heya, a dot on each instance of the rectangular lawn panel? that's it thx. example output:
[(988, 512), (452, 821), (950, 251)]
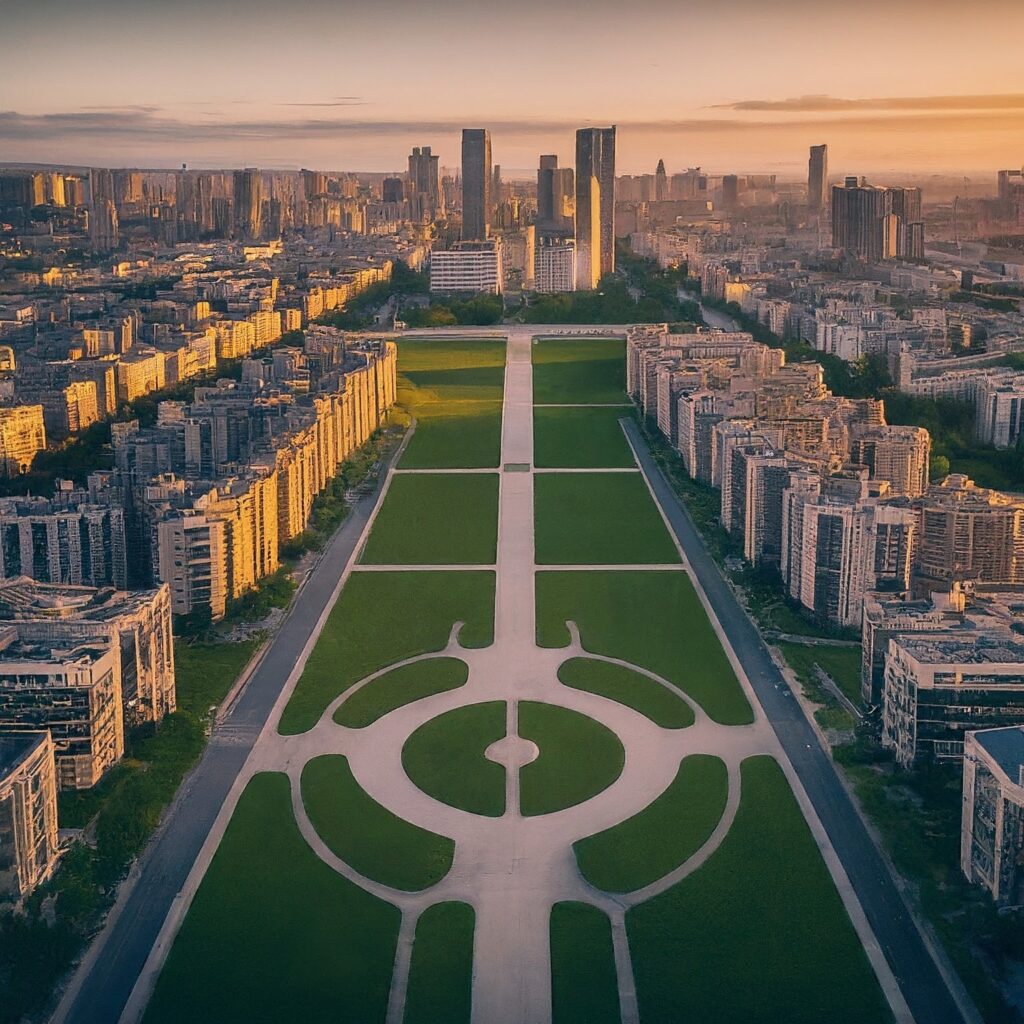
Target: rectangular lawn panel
[(584, 985), (457, 435), (580, 438), (447, 370), (571, 371), (596, 519), (436, 519), (658, 839), (441, 971), (758, 933), (368, 837), (651, 619), (274, 934), (384, 617)]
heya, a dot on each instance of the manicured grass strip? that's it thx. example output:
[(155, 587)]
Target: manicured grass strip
[(399, 687), (441, 972), (758, 933), (447, 519), (651, 619), (384, 617), (580, 438), (367, 836), (445, 758), (578, 758), (641, 693), (459, 435), (450, 370), (598, 518), (586, 370), (584, 986), (646, 847), (274, 934), (843, 664)]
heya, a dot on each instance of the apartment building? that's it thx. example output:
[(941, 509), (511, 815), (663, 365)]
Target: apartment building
[(22, 436)]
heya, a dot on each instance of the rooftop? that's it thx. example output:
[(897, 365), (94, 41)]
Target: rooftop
[(15, 747)]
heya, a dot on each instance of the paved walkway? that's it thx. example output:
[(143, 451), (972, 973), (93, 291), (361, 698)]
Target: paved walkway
[(511, 869)]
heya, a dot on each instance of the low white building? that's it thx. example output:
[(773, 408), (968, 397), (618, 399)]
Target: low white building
[(555, 269), (467, 267)]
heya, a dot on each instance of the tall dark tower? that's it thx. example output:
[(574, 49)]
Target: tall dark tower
[(476, 184), (595, 205), (660, 182), (817, 177), (248, 199)]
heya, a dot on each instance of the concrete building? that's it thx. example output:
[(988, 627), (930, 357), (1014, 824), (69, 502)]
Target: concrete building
[(28, 813), (467, 267), (595, 205), (896, 454), (477, 177), (999, 409), (992, 818), (875, 222), (817, 178), (555, 266), (74, 691), (22, 435)]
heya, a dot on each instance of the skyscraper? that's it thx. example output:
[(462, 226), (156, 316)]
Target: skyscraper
[(817, 177), (248, 203), (425, 191), (874, 223), (476, 184), (660, 182), (595, 205), (554, 196)]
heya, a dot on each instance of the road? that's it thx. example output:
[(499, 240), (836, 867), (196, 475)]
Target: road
[(100, 990), (920, 980)]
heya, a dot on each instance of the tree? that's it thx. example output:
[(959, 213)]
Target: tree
[(939, 467)]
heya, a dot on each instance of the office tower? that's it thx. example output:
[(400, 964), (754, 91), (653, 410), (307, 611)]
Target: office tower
[(660, 182), (554, 196), (730, 191), (314, 183), (873, 222), (496, 185), (595, 205), (424, 185), (101, 185), (476, 184), (248, 209), (104, 233), (127, 187), (817, 177), (392, 190)]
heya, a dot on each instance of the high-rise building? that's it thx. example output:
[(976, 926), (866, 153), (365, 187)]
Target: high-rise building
[(555, 264), (730, 191), (874, 222), (817, 177), (660, 182), (104, 230), (477, 200), (424, 184), (248, 198), (595, 205), (392, 190), (554, 196)]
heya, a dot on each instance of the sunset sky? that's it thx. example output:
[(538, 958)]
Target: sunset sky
[(739, 86)]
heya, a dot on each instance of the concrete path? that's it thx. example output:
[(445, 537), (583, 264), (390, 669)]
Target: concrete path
[(512, 869)]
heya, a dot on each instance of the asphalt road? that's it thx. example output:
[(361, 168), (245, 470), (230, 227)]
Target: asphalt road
[(121, 951), (923, 986)]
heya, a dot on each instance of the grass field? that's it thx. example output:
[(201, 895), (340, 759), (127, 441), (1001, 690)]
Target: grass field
[(579, 371), (598, 519), (651, 619), (441, 971), (360, 637), (759, 932), (636, 691), (659, 838), (367, 836), (843, 664), (445, 758), (455, 390), (450, 518), (204, 673), (580, 439), (584, 987), (399, 687), (578, 758), (274, 934)]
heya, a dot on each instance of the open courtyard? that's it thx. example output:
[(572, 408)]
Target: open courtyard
[(519, 776)]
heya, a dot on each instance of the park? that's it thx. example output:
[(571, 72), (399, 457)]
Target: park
[(518, 776)]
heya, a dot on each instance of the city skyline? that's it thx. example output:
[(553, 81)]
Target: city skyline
[(194, 104)]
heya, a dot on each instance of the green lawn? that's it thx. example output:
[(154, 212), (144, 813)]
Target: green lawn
[(598, 519), (843, 664), (580, 438), (584, 986), (455, 391), (460, 435), (636, 691), (445, 758), (203, 673), (367, 836), (648, 618), (360, 636), (441, 971), (274, 934), (654, 842), (443, 519), (579, 371), (758, 934), (578, 758), (401, 686)]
